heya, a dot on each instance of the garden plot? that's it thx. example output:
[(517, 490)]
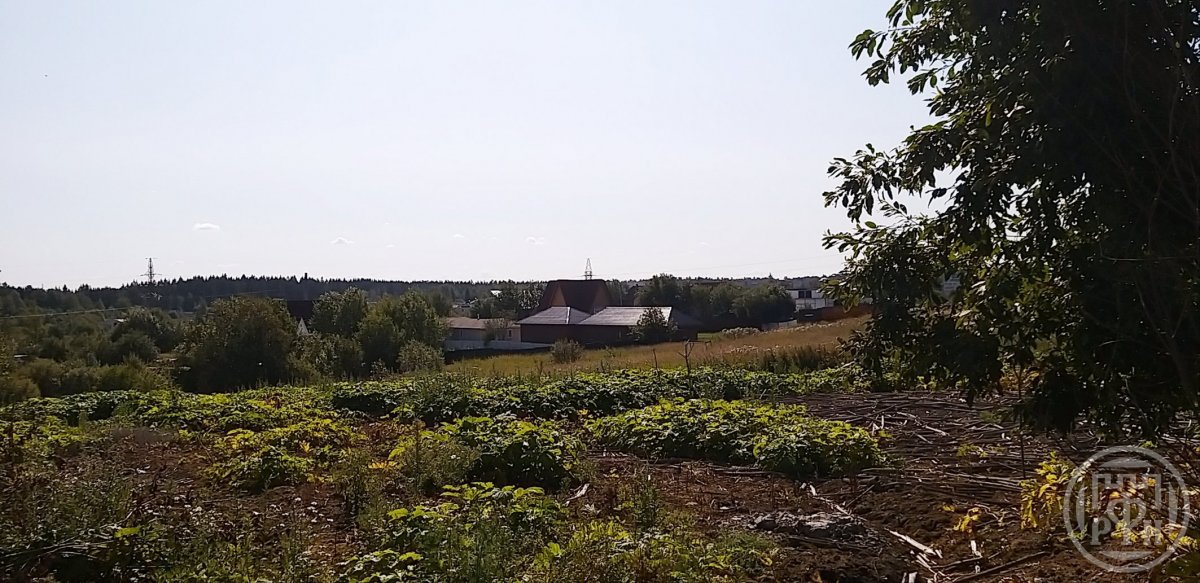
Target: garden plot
[(630, 476)]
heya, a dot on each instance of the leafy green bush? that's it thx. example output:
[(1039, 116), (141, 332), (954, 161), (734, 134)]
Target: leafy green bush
[(129, 376), (604, 551), (565, 351), (425, 461), (284, 455), (417, 357), (508, 450), (779, 438), (14, 389), (255, 410), (444, 397), (481, 533)]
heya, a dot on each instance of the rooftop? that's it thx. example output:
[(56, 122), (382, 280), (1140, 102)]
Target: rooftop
[(629, 316), (557, 315)]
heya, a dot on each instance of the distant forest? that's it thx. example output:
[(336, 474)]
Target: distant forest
[(196, 293), (193, 294)]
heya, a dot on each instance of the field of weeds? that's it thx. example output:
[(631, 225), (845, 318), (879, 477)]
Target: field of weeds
[(764, 350), (632, 475)]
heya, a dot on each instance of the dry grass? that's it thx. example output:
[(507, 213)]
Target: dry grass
[(670, 355)]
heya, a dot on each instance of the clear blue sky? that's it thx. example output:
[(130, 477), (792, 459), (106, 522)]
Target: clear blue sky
[(429, 140)]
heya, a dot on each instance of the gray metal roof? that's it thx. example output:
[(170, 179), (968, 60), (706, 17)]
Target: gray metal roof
[(556, 315), (629, 316)]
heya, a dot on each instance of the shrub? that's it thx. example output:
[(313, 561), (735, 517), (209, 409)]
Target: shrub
[(566, 351), (653, 327), (481, 533), (16, 388), (331, 355), (778, 438), (417, 357), (284, 455), (604, 551), (131, 345), (237, 343), (505, 450), (440, 398), (46, 373), (425, 461)]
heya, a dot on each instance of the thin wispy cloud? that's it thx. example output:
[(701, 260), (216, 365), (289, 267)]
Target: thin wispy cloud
[(206, 227), (535, 240), (341, 241), (459, 236)]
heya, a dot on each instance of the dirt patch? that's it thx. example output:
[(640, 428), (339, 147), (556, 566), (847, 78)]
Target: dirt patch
[(948, 459)]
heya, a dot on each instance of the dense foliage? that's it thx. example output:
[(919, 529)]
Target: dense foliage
[(653, 327), (239, 342), (441, 398), (485, 533), (173, 486), (1065, 159), (504, 450), (725, 305), (778, 438)]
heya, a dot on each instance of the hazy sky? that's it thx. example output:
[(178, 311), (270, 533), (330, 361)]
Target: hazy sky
[(429, 140)]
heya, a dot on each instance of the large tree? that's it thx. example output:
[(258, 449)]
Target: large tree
[(395, 321), (239, 342), (665, 290), (340, 312), (1065, 156)]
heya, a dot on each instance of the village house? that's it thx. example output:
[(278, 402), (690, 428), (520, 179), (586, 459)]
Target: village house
[(582, 310)]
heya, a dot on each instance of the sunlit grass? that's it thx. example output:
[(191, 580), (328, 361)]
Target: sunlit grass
[(709, 350)]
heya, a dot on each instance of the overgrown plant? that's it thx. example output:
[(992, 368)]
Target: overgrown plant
[(778, 438)]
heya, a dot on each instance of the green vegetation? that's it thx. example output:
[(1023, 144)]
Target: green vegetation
[(759, 351), (484, 533), (566, 351), (653, 327), (259, 460), (469, 498), (1077, 260), (504, 450), (239, 342), (778, 438), (434, 399), (727, 305)]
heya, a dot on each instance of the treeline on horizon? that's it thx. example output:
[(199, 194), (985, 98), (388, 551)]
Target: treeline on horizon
[(196, 293)]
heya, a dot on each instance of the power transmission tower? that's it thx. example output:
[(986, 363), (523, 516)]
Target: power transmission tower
[(587, 271), (149, 275)]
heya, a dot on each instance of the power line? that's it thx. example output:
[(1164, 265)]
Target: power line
[(149, 275)]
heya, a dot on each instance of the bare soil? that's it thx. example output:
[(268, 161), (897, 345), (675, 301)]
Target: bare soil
[(949, 457)]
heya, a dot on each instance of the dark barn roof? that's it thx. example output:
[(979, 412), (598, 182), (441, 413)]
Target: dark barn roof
[(301, 309), (560, 315), (581, 294)]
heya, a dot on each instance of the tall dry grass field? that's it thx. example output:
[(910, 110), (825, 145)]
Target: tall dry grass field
[(717, 351)]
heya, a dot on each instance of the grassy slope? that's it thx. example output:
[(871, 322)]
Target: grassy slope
[(666, 355)]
